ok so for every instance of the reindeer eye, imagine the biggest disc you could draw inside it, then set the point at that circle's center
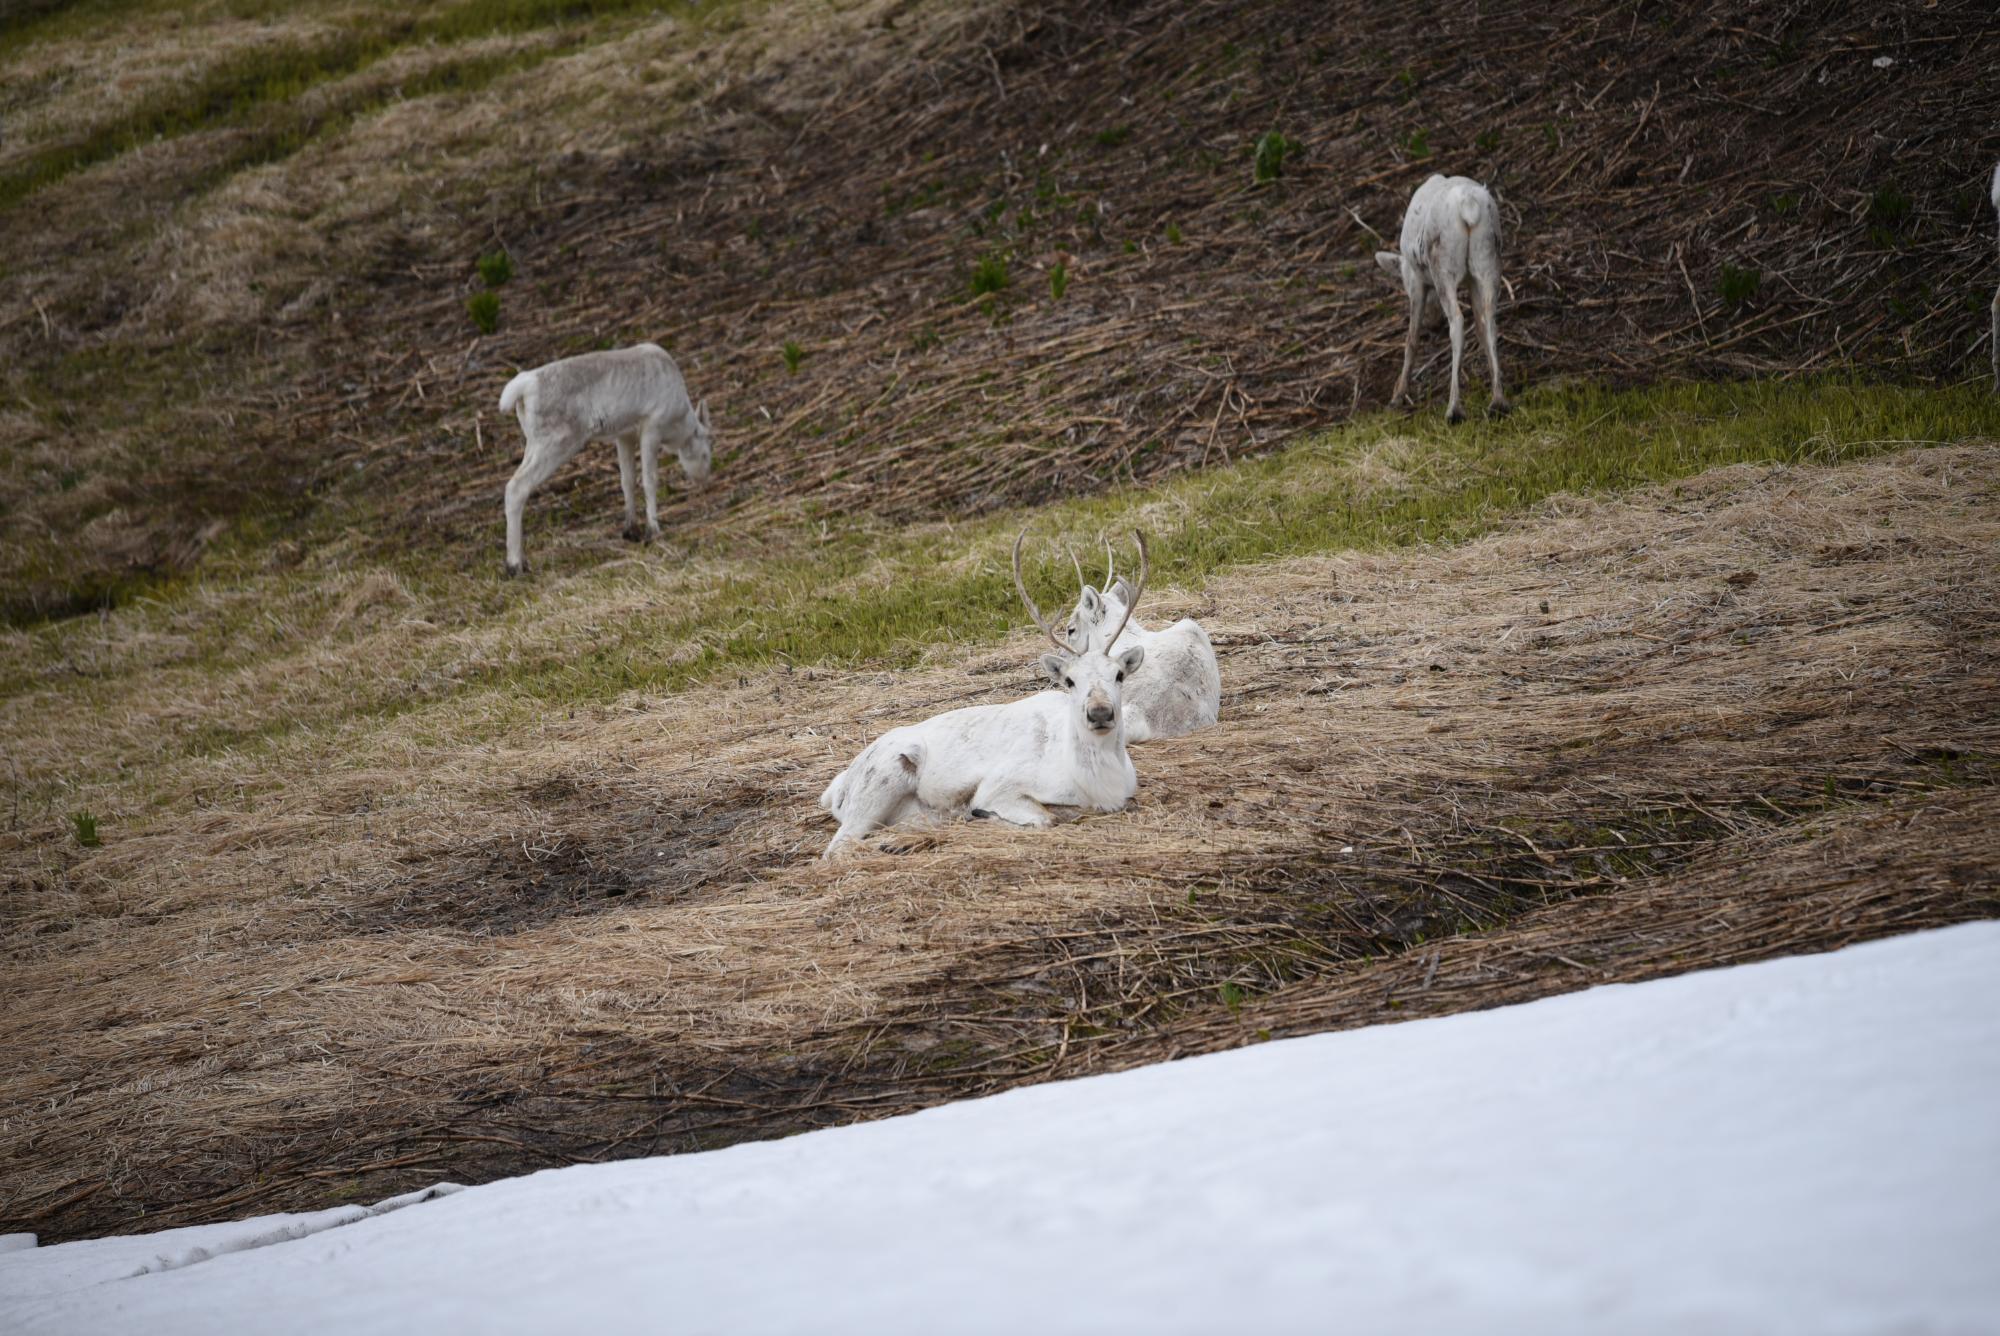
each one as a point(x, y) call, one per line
point(1121, 674)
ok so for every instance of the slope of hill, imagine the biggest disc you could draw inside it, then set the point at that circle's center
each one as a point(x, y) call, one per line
point(1795, 1146)
point(359, 941)
point(333, 863)
point(241, 238)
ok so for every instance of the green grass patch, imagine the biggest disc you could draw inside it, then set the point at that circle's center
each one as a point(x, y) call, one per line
point(1377, 483)
point(484, 308)
point(989, 275)
point(1268, 154)
point(84, 826)
point(1737, 286)
point(258, 91)
point(793, 594)
point(495, 268)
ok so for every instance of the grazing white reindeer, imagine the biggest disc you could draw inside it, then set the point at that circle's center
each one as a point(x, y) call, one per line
point(628, 395)
point(1996, 292)
point(1181, 690)
point(1451, 230)
point(1057, 748)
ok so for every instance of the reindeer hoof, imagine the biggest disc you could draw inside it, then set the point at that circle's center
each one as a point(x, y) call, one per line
point(1455, 416)
point(633, 533)
point(1499, 408)
point(516, 572)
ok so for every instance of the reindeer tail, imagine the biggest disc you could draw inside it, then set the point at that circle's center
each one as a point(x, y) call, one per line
point(516, 387)
point(1468, 210)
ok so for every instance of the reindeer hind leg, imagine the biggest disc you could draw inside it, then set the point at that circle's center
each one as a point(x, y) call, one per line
point(880, 790)
point(543, 457)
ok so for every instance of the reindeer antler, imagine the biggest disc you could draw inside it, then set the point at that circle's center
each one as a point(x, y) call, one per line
point(1021, 587)
point(1110, 567)
point(1144, 568)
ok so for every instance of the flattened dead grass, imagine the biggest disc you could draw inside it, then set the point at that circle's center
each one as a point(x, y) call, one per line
point(1753, 713)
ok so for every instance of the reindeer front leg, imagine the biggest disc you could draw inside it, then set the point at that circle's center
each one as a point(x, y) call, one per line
point(649, 470)
point(632, 532)
point(1017, 809)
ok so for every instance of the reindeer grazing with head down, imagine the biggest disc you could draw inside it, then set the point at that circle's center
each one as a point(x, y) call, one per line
point(1181, 690)
point(1451, 233)
point(1063, 747)
point(634, 396)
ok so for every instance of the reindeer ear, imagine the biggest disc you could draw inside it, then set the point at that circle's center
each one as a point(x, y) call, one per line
point(1130, 659)
point(1092, 601)
point(1123, 589)
point(1391, 262)
point(1053, 665)
point(701, 413)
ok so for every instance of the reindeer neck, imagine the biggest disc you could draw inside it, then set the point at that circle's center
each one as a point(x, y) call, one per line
point(1133, 627)
point(1090, 750)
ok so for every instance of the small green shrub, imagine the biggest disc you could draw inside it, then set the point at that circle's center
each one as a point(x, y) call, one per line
point(1059, 280)
point(793, 355)
point(1889, 212)
point(989, 275)
point(1418, 144)
point(1173, 234)
point(1486, 141)
point(1890, 207)
point(1113, 137)
point(495, 268)
point(1784, 205)
point(1271, 150)
point(484, 308)
point(85, 826)
point(1738, 286)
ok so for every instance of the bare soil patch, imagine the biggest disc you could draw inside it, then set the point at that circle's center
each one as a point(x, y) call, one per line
point(1625, 738)
point(588, 853)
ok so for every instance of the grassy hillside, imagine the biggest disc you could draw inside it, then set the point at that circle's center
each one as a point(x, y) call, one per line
point(242, 239)
point(322, 882)
point(262, 661)
point(331, 861)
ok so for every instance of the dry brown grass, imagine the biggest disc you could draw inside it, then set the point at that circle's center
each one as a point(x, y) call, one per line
point(56, 90)
point(1754, 713)
point(830, 174)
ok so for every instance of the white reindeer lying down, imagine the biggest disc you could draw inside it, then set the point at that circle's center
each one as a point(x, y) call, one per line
point(1181, 689)
point(1451, 231)
point(628, 395)
point(1058, 748)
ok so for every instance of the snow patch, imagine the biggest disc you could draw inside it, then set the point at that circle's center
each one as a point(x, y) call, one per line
point(1804, 1145)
